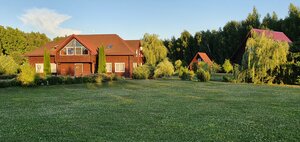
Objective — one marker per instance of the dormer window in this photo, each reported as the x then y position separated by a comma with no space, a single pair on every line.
74,48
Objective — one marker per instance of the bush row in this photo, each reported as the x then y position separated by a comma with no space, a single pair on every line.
56,80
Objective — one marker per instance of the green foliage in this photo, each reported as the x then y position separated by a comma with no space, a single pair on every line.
27,74
263,58
202,75
186,74
214,68
222,44
236,71
101,60
9,83
202,65
16,43
141,72
153,49
8,66
164,69
47,65
178,65
227,66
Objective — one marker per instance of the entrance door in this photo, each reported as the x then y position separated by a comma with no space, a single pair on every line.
78,69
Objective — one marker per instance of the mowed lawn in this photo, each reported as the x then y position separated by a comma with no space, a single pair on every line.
151,110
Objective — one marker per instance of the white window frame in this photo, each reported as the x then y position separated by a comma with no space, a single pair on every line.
53,68
119,70
42,70
74,48
68,51
134,64
107,66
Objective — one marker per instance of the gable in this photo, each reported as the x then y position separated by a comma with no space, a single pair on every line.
74,47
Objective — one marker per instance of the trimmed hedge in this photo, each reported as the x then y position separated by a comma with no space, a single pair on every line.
7,76
57,80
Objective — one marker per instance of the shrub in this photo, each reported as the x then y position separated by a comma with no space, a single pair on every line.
164,69
236,71
214,68
227,79
8,66
27,75
178,64
68,80
227,66
186,74
7,76
54,80
141,72
202,75
202,65
9,83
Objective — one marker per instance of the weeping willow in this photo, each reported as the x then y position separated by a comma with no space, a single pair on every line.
262,58
153,49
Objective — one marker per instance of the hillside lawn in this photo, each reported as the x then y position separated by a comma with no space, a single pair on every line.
151,110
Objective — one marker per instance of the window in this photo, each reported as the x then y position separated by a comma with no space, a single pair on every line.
199,59
135,65
74,48
39,68
119,67
70,51
53,68
109,67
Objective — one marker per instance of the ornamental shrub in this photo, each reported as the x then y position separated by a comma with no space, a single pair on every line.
164,69
186,74
227,66
27,75
8,66
202,75
141,72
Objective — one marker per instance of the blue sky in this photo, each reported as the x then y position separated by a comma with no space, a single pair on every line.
131,18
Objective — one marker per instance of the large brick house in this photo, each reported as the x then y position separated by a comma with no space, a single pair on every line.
76,55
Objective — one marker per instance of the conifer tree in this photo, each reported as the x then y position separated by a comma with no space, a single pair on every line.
47,67
101,60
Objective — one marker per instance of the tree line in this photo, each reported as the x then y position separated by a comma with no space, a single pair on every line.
221,44
15,43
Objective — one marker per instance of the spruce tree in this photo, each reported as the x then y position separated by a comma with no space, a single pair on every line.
47,67
101,60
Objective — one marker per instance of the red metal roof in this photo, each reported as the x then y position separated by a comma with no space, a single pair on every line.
203,56
279,36
114,45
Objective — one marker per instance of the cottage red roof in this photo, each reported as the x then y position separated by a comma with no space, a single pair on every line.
203,56
279,36
114,45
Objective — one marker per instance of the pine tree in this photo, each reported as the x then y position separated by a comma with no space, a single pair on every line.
101,60
47,67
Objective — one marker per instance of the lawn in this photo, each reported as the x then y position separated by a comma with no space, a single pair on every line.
151,110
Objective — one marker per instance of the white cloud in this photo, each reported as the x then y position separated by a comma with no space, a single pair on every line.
47,21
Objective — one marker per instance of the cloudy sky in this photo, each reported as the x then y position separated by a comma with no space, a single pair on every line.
130,18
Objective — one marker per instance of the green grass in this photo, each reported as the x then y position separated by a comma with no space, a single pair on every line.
151,110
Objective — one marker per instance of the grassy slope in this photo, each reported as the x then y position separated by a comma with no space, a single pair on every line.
151,110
